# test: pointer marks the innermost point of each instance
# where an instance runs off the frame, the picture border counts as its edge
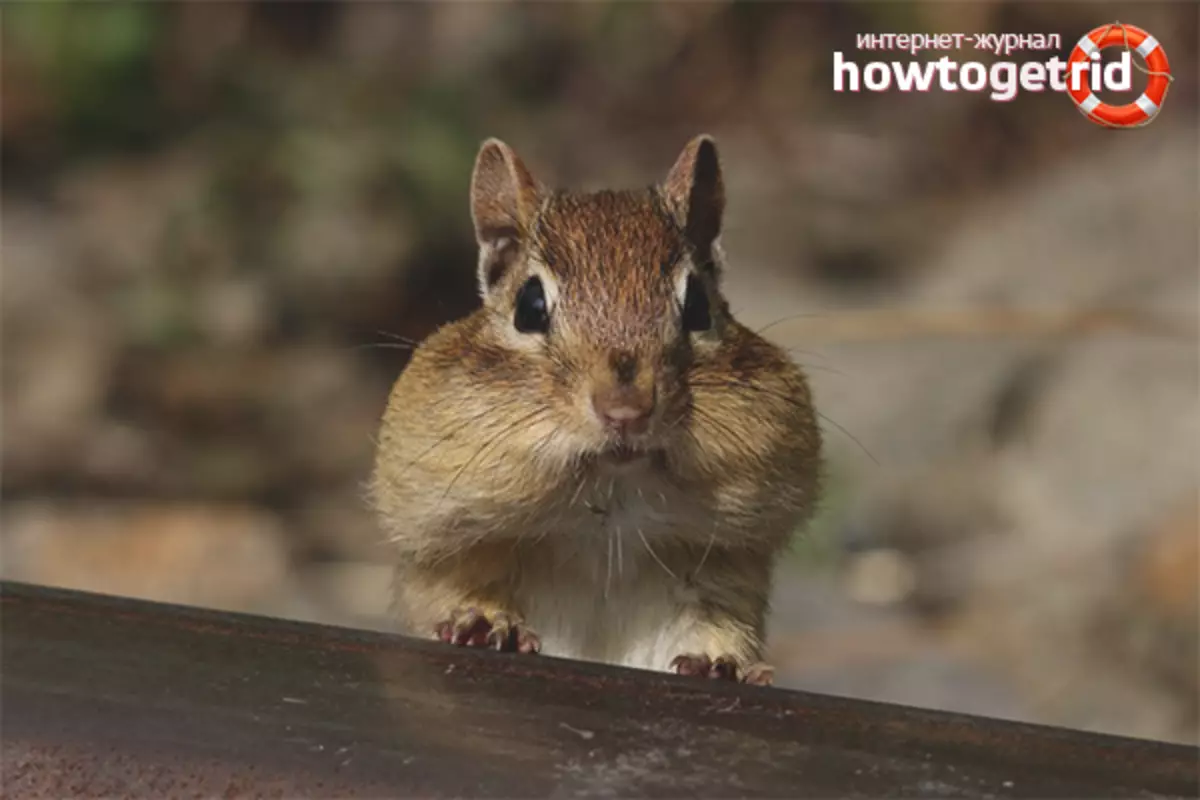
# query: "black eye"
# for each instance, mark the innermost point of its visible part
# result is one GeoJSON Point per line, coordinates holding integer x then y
{"type": "Point", "coordinates": [696, 316]}
{"type": "Point", "coordinates": [531, 315]}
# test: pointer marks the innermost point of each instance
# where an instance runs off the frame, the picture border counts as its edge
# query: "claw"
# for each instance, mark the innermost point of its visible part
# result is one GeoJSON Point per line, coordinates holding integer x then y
{"type": "Point", "coordinates": [470, 627]}
{"type": "Point", "coordinates": [722, 668]}
{"type": "Point", "coordinates": [503, 632]}
{"type": "Point", "coordinates": [691, 664]}
{"type": "Point", "coordinates": [759, 674]}
{"type": "Point", "coordinates": [466, 627]}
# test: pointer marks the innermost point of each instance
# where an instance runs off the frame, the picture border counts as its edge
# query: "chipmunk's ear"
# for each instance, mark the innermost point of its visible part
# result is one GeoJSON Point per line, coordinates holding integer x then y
{"type": "Point", "coordinates": [504, 197]}
{"type": "Point", "coordinates": [695, 193]}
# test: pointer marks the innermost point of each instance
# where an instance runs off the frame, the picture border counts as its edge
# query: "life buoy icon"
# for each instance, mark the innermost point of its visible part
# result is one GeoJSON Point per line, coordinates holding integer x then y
{"type": "Point", "coordinates": [1140, 111]}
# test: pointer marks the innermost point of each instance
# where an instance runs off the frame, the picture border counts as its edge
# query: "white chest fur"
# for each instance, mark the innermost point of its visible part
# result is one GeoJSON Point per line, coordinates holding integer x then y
{"type": "Point", "coordinates": [616, 591]}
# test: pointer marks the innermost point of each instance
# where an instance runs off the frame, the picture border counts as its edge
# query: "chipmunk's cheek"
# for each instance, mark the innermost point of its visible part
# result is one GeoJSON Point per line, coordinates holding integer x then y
{"type": "Point", "coordinates": [707, 444]}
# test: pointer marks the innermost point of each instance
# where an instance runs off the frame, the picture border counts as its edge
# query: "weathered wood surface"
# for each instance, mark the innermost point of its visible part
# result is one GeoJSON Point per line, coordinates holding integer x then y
{"type": "Point", "coordinates": [110, 697]}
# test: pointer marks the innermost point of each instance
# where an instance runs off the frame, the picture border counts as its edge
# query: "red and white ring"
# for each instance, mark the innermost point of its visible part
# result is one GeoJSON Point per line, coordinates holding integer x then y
{"type": "Point", "coordinates": [1145, 45]}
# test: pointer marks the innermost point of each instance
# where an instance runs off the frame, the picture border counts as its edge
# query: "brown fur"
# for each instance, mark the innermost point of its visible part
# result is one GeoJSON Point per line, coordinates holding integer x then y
{"type": "Point", "coordinates": [489, 479]}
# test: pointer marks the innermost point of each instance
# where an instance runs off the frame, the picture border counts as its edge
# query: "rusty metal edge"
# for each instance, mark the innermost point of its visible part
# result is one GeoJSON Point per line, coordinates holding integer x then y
{"type": "Point", "coordinates": [891, 730]}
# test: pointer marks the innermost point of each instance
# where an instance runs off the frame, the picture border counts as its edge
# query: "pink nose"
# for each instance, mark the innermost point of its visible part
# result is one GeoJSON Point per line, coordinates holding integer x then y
{"type": "Point", "coordinates": [624, 409]}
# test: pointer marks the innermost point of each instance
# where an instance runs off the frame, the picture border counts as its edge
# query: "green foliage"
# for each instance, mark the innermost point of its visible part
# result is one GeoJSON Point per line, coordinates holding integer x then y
{"type": "Point", "coordinates": [432, 152]}
{"type": "Point", "coordinates": [97, 64]}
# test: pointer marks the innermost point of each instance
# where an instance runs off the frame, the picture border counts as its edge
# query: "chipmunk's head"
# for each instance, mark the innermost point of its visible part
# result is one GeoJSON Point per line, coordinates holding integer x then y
{"type": "Point", "coordinates": [605, 302]}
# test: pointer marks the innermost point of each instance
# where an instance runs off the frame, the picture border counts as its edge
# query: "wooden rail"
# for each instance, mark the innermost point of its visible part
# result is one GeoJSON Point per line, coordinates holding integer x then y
{"type": "Point", "coordinates": [111, 697]}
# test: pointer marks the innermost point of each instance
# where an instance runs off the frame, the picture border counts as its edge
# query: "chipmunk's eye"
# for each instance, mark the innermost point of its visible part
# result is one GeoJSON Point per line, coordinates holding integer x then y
{"type": "Point", "coordinates": [532, 314]}
{"type": "Point", "coordinates": [696, 315]}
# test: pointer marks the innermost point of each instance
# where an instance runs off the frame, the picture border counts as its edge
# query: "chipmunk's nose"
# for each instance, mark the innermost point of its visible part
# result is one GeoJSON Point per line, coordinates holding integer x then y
{"type": "Point", "coordinates": [624, 409]}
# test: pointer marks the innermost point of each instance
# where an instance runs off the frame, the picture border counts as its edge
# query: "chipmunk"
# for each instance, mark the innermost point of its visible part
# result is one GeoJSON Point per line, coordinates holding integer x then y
{"type": "Point", "coordinates": [599, 463]}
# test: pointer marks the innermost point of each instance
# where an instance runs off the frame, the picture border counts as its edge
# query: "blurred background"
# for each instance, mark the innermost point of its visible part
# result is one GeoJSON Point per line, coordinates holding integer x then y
{"type": "Point", "coordinates": [221, 222]}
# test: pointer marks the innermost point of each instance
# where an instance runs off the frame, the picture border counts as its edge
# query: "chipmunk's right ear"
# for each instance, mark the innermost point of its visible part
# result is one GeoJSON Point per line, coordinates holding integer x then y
{"type": "Point", "coordinates": [695, 192]}
{"type": "Point", "coordinates": [504, 198]}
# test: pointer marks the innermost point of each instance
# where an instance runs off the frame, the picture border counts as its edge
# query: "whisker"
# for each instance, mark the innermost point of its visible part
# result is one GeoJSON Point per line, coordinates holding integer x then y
{"type": "Point", "coordinates": [578, 491]}
{"type": "Point", "coordinates": [789, 318]}
{"type": "Point", "coordinates": [820, 368]}
{"type": "Point", "coordinates": [750, 387]}
{"type": "Point", "coordinates": [524, 528]}
{"type": "Point", "coordinates": [398, 337]}
{"type": "Point", "coordinates": [695, 440]}
{"type": "Point", "coordinates": [812, 353]}
{"type": "Point", "coordinates": [653, 554]}
{"type": "Point", "coordinates": [712, 538]}
{"type": "Point", "coordinates": [491, 442]}
{"type": "Point", "coordinates": [382, 346]}
{"type": "Point", "coordinates": [850, 436]}
{"type": "Point", "coordinates": [486, 446]}
{"type": "Point", "coordinates": [454, 431]}
{"type": "Point", "coordinates": [570, 554]}
{"type": "Point", "coordinates": [620, 554]}
{"type": "Point", "coordinates": [718, 425]}
{"type": "Point", "coordinates": [608, 576]}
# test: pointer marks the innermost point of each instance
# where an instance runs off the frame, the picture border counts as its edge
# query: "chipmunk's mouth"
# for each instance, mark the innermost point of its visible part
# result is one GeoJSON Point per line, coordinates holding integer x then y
{"type": "Point", "coordinates": [624, 455]}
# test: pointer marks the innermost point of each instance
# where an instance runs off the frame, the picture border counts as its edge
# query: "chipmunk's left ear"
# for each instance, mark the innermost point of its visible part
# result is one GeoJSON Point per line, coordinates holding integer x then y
{"type": "Point", "coordinates": [695, 192]}
{"type": "Point", "coordinates": [504, 196]}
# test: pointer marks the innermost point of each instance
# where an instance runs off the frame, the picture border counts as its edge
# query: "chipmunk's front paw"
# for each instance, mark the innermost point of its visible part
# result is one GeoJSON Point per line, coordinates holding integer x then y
{"type": "Point", "coordinates": [470, 627]}
{"type": "Point", "coordinates": [723, 668]}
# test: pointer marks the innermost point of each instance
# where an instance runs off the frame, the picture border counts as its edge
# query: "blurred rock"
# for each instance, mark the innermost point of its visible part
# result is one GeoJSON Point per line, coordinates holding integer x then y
{"type": "Point", "coordinates": [118, 454]}
{"type": "Point", "coordinates": [1016, 480]}
{"type": "Point", "coordinates": [822, 641]}
{"type": "Point", "coordinates": [207, 555]}
{"type": "Point", "coordinates": [325, 408]}
{"type": "Point", "coordinates": [1151, 617]}
{"type": "Point", "coordinates": [134, 217]}
{"type": "Point", "coordinates": [339, 524]}
{"type": "Point", "coordinates": [881, 576]}
{"type": "Point", "coordinates": [235, 311]}
{"type": "Point", "coordinates": [59, 347]}
{"type": "Point", "coordinates": [1069, 243]}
